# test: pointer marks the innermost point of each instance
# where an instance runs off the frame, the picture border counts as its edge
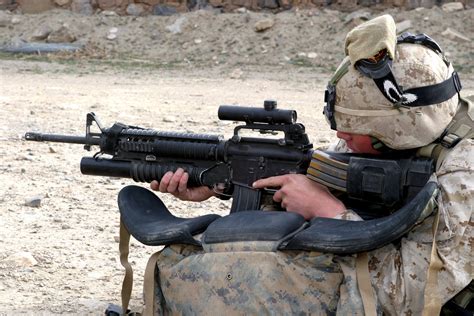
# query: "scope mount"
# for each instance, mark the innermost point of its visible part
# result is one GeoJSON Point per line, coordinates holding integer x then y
{"type": "Point", "coordinates": [295, 134]}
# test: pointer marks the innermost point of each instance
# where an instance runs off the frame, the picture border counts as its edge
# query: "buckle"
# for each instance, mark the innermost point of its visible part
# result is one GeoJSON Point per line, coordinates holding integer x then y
{"type": "Point", "coordinates": [450, 140]}
{"type": "Point", "coordinates": [457, 82]}
{"type": "Point", "coordinates": [328, 110]}
{"type": "Point", "coordinates": [422, 39]}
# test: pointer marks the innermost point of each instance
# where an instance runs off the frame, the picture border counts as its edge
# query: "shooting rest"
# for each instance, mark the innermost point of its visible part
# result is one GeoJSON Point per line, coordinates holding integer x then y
{"type": "Point", "coordinates": [148, 220]}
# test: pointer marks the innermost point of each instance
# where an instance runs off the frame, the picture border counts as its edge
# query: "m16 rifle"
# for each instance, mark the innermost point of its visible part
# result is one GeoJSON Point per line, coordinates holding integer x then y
{"type": "Point", "coordinates": [233, 165]}
{"type": "Point", "coordinates": [146, 154]}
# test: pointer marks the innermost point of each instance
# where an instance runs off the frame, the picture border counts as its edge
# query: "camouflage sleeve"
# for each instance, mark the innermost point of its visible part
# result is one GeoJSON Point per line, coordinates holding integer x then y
{"type": "Point", "coordinates": [399, 270]}
{"type": "Point", "coordinates": [456, 180]}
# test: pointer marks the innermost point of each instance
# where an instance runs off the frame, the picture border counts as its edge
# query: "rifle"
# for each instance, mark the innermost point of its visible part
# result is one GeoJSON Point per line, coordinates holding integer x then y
{"type": "Point", "coordinates": [234, 164]}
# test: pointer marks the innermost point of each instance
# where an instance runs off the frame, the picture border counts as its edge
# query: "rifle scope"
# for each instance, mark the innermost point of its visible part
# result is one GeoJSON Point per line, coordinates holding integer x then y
{"type": "Point", "coordinates": [269, 114]}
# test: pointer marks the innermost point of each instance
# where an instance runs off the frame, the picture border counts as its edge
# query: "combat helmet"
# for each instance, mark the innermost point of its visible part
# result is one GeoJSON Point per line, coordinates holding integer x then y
{"type": "Point", "coordinates": [403, 92]}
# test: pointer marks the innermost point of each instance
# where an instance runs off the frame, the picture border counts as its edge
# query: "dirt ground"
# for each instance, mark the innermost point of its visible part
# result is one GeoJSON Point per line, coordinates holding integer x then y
{"type": "Point", "coordinates": [72, 235]}
{"type": "Point", "coordinates": [205, 38]}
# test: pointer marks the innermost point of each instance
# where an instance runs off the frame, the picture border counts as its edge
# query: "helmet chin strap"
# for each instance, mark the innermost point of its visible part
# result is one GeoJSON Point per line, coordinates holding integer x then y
{"type": "Point", "coordinates": [379, 146]}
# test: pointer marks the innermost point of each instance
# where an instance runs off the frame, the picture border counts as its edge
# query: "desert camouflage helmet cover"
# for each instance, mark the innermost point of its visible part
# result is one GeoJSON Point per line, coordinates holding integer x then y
{"type": "Point", "coordinates": [361, 108]}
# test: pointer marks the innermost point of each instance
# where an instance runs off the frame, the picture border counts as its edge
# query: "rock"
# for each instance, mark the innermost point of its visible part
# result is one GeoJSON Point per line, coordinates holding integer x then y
{"type": "Point", "coordinates": [15, 20]}
{"type": "Point", "coordinates": [403, 26]}
{"type": "Point", "coordinates": [197, 41]}
{"type": "Point", "coordinates": [109, 13]}
{"type": "Point", "coordinates": [455, 36]}
{"type": "Point", "coordinates": [264, 25]}
{"type": "Point", "coordinates": [41, 33]}
{"type": "Point", "coordinates": [35, 6]}
{"type": "Point", "coordinates": [22, 259]}
{"type": "Point", "coordinates": [176, 26]}
{"type": "Point", "coordinates": [34, 201]}
{"type": "Point", "coordinates": [165, 10]}
{"type": "Point", "coordinates": [312, 55]}
{"type": "Point", "coordinates": [61, 35]}
{"type": "Point", "coordinates": [236, 73]}
{"type": "Point", "coordinates": [62, 2]}
{"type": "Point", "coordinates": [323, 140]}
{"type": "Point", "coordinates": [82, 7]}
{"type": "Point", "coordinates": [241, 10]}
{"type": "Point", "coordinates": [112, 34]}
{"type": "Point", "coordinates": [24, 157]}
{"type": "Point", "coordinates": [169, 119]}
{"type": "Point", "coordinates": [359, 14]}
{"type": "Point", "coordinates": [135, 9]}
{"type": "Point", "coordinates": [452, 6]}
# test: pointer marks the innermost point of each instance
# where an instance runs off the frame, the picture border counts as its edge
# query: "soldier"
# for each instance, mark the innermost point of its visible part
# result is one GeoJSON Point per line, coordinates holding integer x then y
{"type": "Point", "coordinates": [385, 97]}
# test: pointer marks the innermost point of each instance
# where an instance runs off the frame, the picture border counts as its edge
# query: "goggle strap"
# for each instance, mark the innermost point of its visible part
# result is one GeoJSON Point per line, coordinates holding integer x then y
{"type": "Point", "coordinates": [341, 71]}
{"type": "Point", "coordinates": [436, 93]}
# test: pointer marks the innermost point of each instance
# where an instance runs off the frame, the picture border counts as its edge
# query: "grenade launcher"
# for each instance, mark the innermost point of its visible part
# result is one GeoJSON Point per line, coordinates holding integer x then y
{"type": "Point", "coordinates": [146, 155]}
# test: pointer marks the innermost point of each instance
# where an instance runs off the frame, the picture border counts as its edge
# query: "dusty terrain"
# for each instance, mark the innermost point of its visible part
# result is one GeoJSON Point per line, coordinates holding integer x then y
{"type": "Point", "coordinates": [72, 233]}
{"type": "Point", "coordinates": [309, 38]}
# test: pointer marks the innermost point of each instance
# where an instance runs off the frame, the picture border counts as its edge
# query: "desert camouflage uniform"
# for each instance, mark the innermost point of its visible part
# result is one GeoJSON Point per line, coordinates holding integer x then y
{"type": "Point", "coordinates": [399, 271]}
{"type": "Point", "coordinates": [253, 279]}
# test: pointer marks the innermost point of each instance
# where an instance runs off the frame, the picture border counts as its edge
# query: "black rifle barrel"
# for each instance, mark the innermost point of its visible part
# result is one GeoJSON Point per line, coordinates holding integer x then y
{"type": "Point", "coordinates": [38, 137]}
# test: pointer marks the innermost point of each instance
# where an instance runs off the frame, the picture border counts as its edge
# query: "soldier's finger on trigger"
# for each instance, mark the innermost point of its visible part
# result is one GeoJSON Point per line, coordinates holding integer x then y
{"type": "Point", "coordinates": [269, 182]}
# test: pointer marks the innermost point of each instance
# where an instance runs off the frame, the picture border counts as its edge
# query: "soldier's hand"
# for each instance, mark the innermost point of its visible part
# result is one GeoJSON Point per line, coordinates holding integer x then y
{"type": "Point", "coordinates": [177, 184]}
{"type": "Point", "coordinates": [300, 195]}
